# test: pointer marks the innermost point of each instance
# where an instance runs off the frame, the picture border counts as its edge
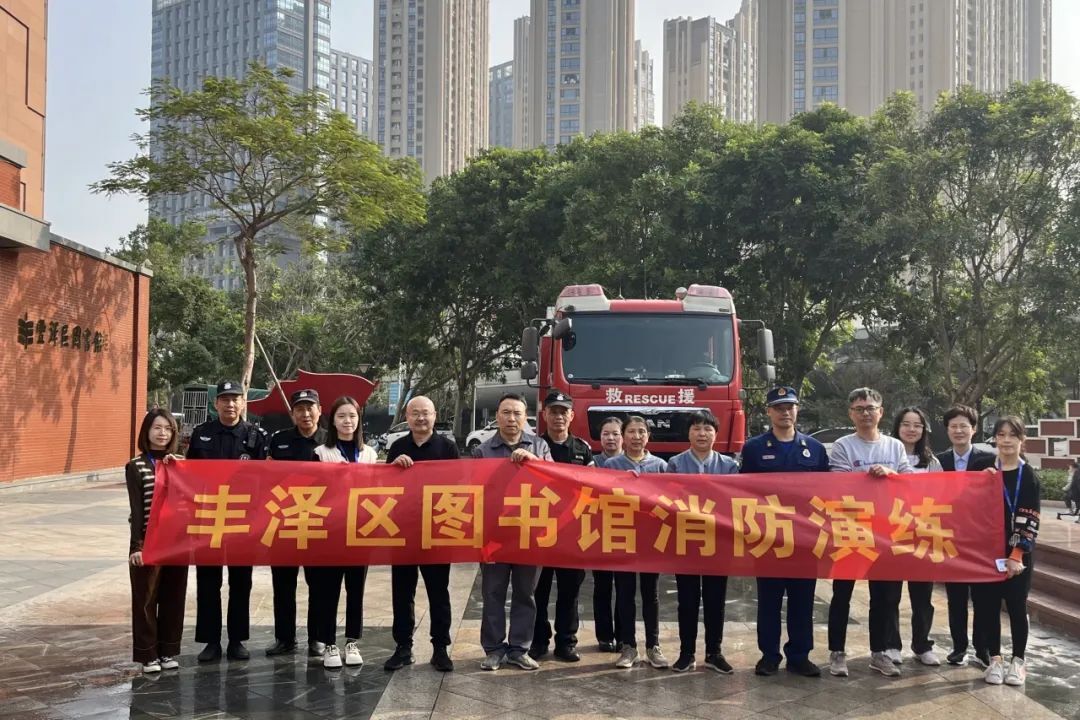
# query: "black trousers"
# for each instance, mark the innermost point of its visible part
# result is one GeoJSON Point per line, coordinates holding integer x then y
{"type": "Point", "coordinates": [284, 580]}
{"type": "Point", "coordinates": [157, 610]}
{"type": "Point", "coordinates": [922, 619]}
{"type": "Point", "coordinates": [884, 613]}
{"type": "Point", "coordinates": [800, 617]}
{"type": "Point", "coordinates": [567, 618]}
{"type": "Point", "coordinates": [325, 594]}
{"type": "Point", "coordinates": [626, 587]}
{"type": "Point", "coordinates": [987, 598]}
{"type": "Point", "coordinates": [960, 595]}
{"type": "Point", "coordinates": [208, 603]}
{"type": "Point", "coordinates": [710, 593]}
{"type": "Point", "coordinates": [403, 580]}
{"type": "Point", "coordinates": [607, 622]}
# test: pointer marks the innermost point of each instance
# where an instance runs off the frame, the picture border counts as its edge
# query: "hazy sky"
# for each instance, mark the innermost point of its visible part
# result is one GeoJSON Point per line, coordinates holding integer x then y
{"type": "Point", "coordinates": [99, 64]}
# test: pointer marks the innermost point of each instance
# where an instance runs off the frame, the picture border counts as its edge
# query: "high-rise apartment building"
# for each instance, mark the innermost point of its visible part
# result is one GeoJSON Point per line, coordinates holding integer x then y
{"type": "Point", "coordinates": [858, 53]}
{"type": "Point", "coordinates": [581, 69]}
{"type": "Point", "coordinates": [711, 63]}
{"type": "Point", "coordinates": [195, 39]}
{"type": "Point", "coordinates": [431, 81]}
{"type": "Point", "coordinates": [350, 88]}
{"type": "Point", "coordinates": [501, 105]}
{"type": "Point", "coordinates": [644, 95]}
{"type": "Point", "coordinates": [522, 85]}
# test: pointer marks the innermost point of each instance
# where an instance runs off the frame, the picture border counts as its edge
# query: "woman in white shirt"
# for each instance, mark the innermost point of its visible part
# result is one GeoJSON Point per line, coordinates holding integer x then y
{"type": "Point", "coordinates": [912, 427]}
{"type": "Point", "coordinates": [344, 444]}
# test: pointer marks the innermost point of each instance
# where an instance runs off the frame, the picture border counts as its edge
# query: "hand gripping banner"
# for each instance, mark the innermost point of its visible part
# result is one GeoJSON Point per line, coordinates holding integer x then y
{"type": "Point", "coordinates": [928, 527]}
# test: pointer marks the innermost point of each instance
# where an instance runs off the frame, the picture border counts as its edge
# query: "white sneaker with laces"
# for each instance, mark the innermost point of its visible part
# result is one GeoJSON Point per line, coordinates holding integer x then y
{"type": "Point", "coordinates": [894, 656]}
{"type": "Point", "coordinates": [995, 673]}
{"type": "Point", "coordinates": [353, 658]}
{"type": "Point", "coordinates": [331, 657]}
{"type": "Point", "coordinates": [628, 657]}
{"type": "Point", "coordinates": [880, 661]}
{"type": "Point", "coordinates": [838, 663]}
{"type": "Point", "coordinates": [1017, 673]}
{"type": "Point", "coordinates": [656, 657]}
{"type": "Point", "coordinates": [169, 663]}
{"type": "Point", "coordinates": [929, 658]}
{"type": "Point", "coordinates": [154, 666]}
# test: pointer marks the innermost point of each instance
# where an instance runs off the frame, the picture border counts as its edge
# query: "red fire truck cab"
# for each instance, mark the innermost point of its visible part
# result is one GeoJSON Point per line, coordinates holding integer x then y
{"type": "Point", "coordinates": [660, 359]}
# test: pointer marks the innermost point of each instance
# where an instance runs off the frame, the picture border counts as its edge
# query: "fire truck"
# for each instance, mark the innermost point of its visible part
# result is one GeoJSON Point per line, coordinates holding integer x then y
{"type": "Point", "coordinates": [660, 359]}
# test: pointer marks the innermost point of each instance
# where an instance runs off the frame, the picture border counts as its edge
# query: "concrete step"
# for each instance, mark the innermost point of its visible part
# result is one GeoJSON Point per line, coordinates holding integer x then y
{"type": "Point", "coordinates": [1053, 556]}
{"type": "Point", "coordinates": [1054, 611]}
{"type": "Point", "coordinates": [1055, 580]}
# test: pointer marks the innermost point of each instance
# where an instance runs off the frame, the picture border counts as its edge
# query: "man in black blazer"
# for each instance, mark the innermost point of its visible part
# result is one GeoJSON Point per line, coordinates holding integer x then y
{"type": "Point", "coordinates": [960, 423]}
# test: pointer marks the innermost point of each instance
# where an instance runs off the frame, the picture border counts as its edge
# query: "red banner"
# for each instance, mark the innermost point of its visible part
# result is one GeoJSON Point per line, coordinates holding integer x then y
{"type": "Point", "coordinates": [935, 526]}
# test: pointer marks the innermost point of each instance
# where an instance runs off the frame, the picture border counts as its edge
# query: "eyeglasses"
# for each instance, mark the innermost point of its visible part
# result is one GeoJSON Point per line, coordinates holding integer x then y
{"type": "Point", "coordinates": [865, 409]}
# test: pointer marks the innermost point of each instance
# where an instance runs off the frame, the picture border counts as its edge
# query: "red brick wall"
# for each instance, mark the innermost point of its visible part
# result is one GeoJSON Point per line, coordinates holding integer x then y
{"type": "Point", "coordinates": [10, 187]}
{"type": "Point", "coordinates": [70, 410]}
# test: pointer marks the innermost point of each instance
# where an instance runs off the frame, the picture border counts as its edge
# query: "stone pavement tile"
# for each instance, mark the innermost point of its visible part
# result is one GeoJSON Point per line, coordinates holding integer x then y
{"type": "Point", "coordinates": [1011, 702]}
{"type": "Point", "coordinates": [453, 705]}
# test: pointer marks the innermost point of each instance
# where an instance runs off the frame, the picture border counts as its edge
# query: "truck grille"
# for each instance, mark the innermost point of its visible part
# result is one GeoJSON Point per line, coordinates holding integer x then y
{"type": "Point", "coordinates": [666, 424]}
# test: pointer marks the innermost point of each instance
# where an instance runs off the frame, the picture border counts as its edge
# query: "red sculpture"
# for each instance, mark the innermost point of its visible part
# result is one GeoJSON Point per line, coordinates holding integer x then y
{"type": "Point", "coordinates": [330, 387]}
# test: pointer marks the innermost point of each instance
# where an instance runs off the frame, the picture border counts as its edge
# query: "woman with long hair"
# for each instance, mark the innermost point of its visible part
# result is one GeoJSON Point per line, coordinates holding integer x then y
{"type": "Point", "coordinates": [344, 444]}
{"type": "Point", "coordinates": [912, 427]}
{"type": "Point", "coordinates": [1020, 486]}
{"type": "Point", "coordinates": [157, 591]}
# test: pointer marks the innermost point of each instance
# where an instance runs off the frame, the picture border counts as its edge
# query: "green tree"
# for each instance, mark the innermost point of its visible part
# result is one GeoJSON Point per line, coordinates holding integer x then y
{"type": "Point", "coordinates": [987, 194]}
{"type": "Point", "coordinates": [193, 326]}
{"type": "Point", "coordinates": [271, 161]}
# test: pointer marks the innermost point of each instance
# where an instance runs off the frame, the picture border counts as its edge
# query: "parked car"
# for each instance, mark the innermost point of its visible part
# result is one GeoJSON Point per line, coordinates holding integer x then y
{"type": "Point", "coordinates": [827, 436]}
{"type": "Point", "coordinates": [482, 434]}
{"type": "Point", "coordinates": [401, 429]}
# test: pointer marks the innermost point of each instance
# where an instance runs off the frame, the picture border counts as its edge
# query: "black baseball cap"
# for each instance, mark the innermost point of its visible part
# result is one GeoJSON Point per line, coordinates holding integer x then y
{"type": "Point", "coordinates": [229, 387]}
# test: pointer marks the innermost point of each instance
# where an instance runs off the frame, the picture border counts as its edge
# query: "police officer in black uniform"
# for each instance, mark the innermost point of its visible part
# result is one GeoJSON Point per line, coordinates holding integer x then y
{"type": "Point", "coordinates": [565, 448]}
{"type": "Point", "coordinates": [785, 449]}
{"type": "Point", "coordinates": [295, 443]}
{"type": "Point", "coordinates": [229, 437]}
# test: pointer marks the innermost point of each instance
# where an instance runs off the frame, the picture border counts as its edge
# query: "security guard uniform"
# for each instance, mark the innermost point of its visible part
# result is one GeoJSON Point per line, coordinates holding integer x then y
{"type": "Point", "coordinates": [213, 440]}
{"type": "Point", "coordinates": [573, 452]}
{"type": "Point", "coordinates": [290, 444]}
{"type": "Point", "coordinates": [766, 454]}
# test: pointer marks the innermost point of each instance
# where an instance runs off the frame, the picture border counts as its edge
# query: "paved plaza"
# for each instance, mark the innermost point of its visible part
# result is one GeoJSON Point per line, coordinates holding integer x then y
{"type": "Point", "coordinates": [65, 650]}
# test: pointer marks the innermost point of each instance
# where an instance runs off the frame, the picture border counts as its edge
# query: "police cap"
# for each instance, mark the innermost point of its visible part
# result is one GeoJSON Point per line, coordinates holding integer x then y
{"type": "Point", "coordinates": [782, 395]}
{"type": "Point", "coordinates": [558, 399]}
{"type": "Point", "coordinates": [304, 396]}
{"type": "Point", "coordinates": [229, 387]}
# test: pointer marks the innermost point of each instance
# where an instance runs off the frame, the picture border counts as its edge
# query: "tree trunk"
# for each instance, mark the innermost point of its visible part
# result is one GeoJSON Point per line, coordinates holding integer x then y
{"type": "Point", "coordinates": [251, 297]}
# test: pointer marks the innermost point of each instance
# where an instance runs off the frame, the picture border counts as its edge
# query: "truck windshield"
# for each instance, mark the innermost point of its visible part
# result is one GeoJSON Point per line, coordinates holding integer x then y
{"type": "Point", "coordinates": [650, 348]}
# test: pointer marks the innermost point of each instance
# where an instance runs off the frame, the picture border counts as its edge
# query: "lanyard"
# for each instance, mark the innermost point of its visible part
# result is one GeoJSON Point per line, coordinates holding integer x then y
{"type": "Point", "coordinates": [153, 463]}
{"type": "Point", "coordinates": [1016, 493]}
{"type": "Point", "coordinates": [355, 453]}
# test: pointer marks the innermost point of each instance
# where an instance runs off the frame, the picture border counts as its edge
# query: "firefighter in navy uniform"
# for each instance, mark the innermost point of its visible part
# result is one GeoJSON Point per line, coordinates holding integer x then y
{"type": "Point", "coordinates": [230, 437]}
{"type": "Point", "coordinates": [784, 449]}
{"type": "Point", "coordinates": [565, 448]}
{"type": "Point", "coordinates": [297, 443]}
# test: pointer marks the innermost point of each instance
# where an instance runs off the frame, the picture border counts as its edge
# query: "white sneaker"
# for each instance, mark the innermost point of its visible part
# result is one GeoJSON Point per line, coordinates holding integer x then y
{"type": "Point", "coordinates": [838, 663]}
{"type": "Point", "coordinates": [995, 673]}
{"type": "Point", "coordinates": [169, 663]}
{"type": "Point", "coordinates": [353, 658]}
{"type": "Point", "coordinates": [656, 657]}
{"type": "Point", "coordinates": [331, 657]}
{"type": "Point", "coordinates": [928, 658]}
{"type": "Point", "coordinates": [522, 660]}
{"type": "Point", "coordinates": [894, 657]}
{"type": "Point", "coordinates": [880, 661]}
{"type": "Point", "coordinates": [493, 661]}
{"type": "Point", "coordinates": [1017, 673]}
{"type": "Point", "coordinates": [154, 666]}
{"type": "Point", "coordinates": [628, 657]}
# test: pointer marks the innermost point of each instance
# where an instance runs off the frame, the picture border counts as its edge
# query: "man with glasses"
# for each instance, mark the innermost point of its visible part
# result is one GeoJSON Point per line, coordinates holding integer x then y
{"type": "Point", "coordinates": [866, 450]}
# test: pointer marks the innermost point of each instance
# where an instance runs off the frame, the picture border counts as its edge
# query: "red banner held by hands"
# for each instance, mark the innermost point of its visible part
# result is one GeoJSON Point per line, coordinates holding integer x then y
{"type": "Point", "coordinates": [927, 527]}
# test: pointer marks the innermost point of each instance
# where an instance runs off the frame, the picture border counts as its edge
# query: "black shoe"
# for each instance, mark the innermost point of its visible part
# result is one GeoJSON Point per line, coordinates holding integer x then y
{"type": "Point", "coordinates": [716, 661]}
{"type": "Point", "coordinates": [440, 659]}
{"type": "Point", "coordinates": [956, 657]}
{"type": "Point", "coordinates": [982, 658]}
{"type": "Point", "coordinates": [237, 651]}
{"type": "Point", "coordinates": [803, 667]}
{"type": "Point", "coordinates": [281, 648]}
{"type": "Point", "coordinates": [684, 663]}
{"type": "Point", "coordinates": [210, 653]}
{"type": "Point", "coordinates": [566, 653]}
{"type": "Point", "coordinates": [402, 656]}
{"type": "Point", "coordinates": [538, 651]}
{"type": "Point", "coordinates": [766, 667]}
{"type": "Point", "coordinates": [608, 646]}
{"type": "Point", "coordinates": [315, 649]}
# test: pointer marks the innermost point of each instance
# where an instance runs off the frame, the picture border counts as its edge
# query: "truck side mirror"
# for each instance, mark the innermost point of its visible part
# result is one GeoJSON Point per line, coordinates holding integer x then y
{"type": "Point", "coordinates": [529, 370]}
{"type": "Point", "coordinates": [767, 372]}
{"type": "Point", "coordinates": [529, 344]}
{"type": "Point", "coordinates": [765, 346]}
{"type": "Point", "coordinates": [562, 329]}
